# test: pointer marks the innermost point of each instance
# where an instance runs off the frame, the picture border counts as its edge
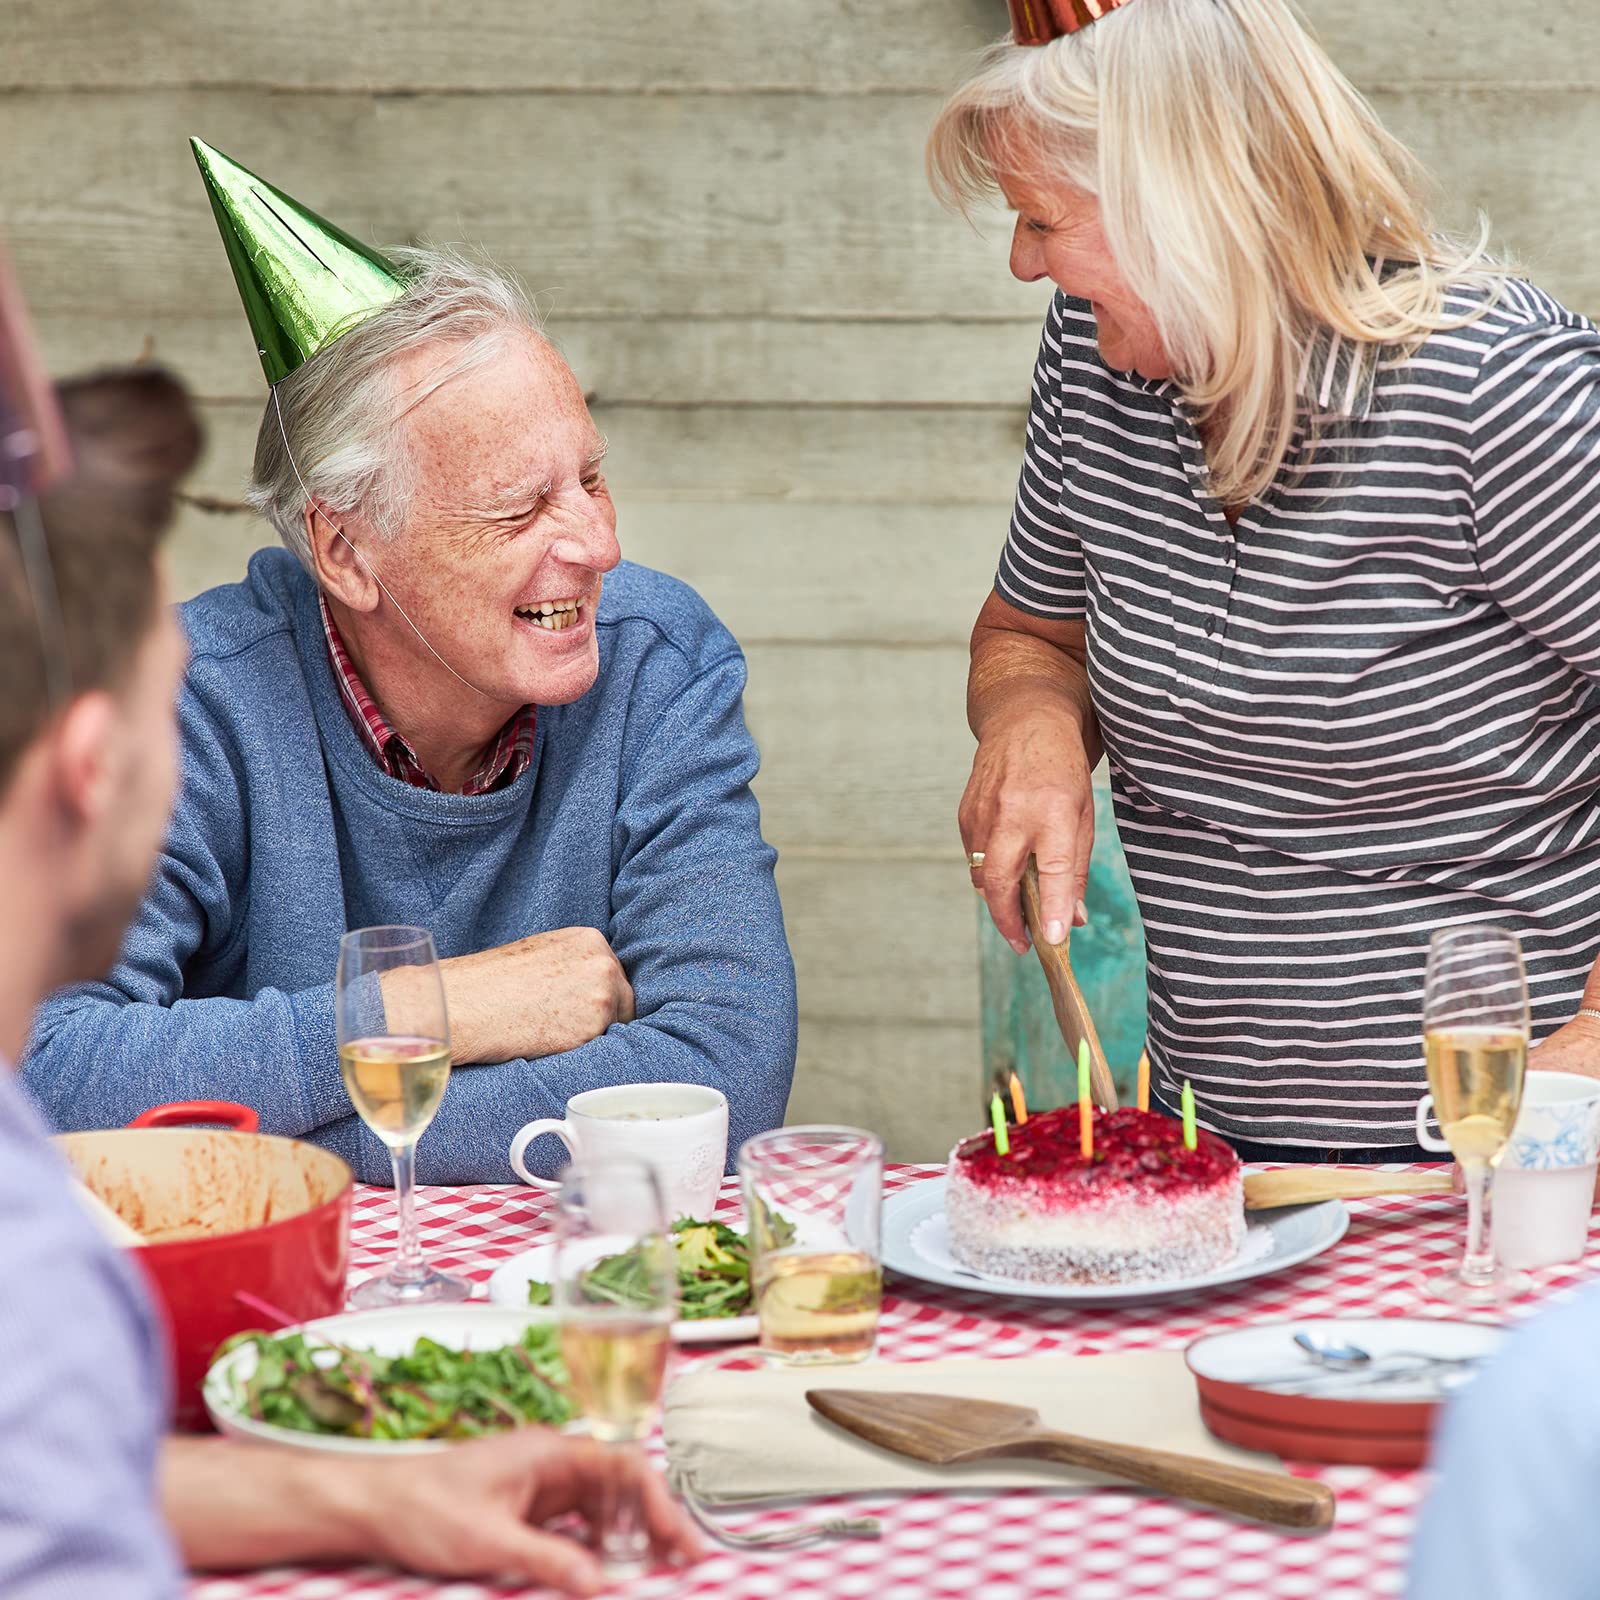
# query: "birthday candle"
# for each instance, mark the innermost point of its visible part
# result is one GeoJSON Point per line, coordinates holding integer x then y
{"type": "Point", "coordinates": [1002, 1139]}
{"type": "Point", "coordinates": [1144, 1080]}
{"type": "Point", "coordinates": [1019, 1103]}
{"type": "Point", "coordinates": [1085, 1108]}
{"type": "Point", "coordinates": [1191, 1137]}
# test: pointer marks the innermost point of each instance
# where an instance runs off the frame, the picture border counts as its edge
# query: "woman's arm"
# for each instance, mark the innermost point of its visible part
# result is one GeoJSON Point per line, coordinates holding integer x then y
{"type": "Point", "coordinates": [1030, 791]}
{"type": "Point", "coordinates": [1575, 1045]}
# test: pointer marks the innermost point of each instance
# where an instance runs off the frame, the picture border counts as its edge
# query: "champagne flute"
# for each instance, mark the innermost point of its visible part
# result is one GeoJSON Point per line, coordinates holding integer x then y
{"type": "Point", "coordinates": [394, 1056]}
{"type": "Point", "coordinates": [1475, 1029]}
{"type": "Point", "coordinates": [615, 1292]}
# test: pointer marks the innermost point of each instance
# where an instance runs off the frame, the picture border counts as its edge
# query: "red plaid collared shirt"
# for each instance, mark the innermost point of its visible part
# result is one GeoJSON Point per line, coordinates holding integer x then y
{"type": "Point", "coordinates": [507, 758]}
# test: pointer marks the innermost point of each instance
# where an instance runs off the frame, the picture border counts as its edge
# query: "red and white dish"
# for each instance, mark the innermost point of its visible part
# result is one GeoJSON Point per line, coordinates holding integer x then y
{"type": "Point", "coordinates": [1314, 1414]}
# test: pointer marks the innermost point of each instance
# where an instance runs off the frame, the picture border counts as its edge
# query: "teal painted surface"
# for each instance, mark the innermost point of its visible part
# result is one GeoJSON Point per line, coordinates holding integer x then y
{"type": "Point", "coordinates": [1019, 1026]}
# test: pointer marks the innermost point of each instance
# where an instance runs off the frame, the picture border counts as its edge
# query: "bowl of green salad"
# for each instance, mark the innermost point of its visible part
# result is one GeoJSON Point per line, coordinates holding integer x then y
{"type": "Point", "coordinates": [396, 1382]}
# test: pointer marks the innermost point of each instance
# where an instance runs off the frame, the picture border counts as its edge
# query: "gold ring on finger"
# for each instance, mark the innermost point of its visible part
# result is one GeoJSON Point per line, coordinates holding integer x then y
{"type": "Point", "coordinates": [974, 859]}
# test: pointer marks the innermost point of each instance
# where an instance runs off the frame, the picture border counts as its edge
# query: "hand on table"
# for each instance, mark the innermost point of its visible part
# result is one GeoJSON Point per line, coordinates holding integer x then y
{"type": "Point", "coordinates": [535, 997]}
{"type": "Point", "coordinates": [476, 1510]}
{"type": "Point", "coordinates": [1030, 793]}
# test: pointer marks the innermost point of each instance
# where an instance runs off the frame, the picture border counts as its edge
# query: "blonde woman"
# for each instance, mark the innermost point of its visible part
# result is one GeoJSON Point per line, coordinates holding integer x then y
{"type": "Point", "coordinates": [1307, 539]}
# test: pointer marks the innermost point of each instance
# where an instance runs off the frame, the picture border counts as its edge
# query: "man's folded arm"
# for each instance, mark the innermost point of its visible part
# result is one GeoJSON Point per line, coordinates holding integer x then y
{"type": "Point", "coordinates": [100, 1053]}
{"type": "Point", "coordinates": [698, 929]}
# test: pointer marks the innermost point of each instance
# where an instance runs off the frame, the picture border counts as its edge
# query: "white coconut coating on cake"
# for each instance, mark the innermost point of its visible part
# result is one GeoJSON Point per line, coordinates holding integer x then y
{"type": "Point", "coordinates": [1142, 1208]}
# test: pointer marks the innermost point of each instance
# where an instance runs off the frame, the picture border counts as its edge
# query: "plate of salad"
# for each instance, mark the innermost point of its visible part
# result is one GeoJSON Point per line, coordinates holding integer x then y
{"type": "Point", "coordinates": [398, 1382]}
{"type": "Point", "coordinates": [714, 1298]}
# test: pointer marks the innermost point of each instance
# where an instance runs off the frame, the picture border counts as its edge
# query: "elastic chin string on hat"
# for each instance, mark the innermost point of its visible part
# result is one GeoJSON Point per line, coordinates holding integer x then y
{"type": "Point", "coordinates": [317, 510]}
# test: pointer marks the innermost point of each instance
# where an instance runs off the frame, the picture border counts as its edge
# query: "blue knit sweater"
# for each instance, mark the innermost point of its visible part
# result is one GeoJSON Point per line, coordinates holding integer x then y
{"type": "Point", "coordinates": [635, 818]}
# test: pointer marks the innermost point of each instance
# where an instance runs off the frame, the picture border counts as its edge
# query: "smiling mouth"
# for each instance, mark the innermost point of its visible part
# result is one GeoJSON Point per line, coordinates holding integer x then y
{"type": "Point", "coordinates": [552, 615]}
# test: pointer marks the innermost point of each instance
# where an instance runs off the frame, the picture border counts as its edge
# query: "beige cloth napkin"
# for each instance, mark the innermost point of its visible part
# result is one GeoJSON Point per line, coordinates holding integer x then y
{"type": "Point", "coordinates": [751, 1436]}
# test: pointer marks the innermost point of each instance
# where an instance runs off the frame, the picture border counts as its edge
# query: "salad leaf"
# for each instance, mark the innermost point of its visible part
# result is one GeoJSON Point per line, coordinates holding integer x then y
{"type": "Point", "coordinates": [433, 1392]}
{"type": "Point", "coordinates": [713, 1263]}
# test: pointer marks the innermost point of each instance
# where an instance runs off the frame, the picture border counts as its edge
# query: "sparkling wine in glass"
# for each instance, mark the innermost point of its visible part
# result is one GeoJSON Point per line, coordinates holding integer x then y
{"type": "Point", "coordinates": [615, 1293]}
{"type": "Point", "coordinates": [394, 1056]}
{"type": "Point", "coordinates": [1475, 1029]}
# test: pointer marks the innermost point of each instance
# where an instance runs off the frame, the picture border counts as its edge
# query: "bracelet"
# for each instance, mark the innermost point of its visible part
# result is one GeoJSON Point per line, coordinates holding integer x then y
{"type": "Point", "coordinates": [1589, 1011]}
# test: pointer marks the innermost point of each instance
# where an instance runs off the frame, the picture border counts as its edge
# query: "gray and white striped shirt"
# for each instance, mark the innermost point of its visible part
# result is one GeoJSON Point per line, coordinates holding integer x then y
{"type": "Point", "coordinates": [1370, 710]}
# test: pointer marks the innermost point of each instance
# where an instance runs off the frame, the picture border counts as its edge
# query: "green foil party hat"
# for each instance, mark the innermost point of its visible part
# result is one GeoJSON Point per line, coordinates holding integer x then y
{"type": "Point", "coordinates": [303, 281]}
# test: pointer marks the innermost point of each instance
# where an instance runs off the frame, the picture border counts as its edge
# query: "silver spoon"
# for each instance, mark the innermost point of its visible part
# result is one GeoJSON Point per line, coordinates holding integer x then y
{"type": "Point", "coordinates": [1349, 1357]}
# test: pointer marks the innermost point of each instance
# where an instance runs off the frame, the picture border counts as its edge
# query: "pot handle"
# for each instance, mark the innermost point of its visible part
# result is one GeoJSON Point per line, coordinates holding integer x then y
{"type": "Point", "coordinates": [187, 1113]}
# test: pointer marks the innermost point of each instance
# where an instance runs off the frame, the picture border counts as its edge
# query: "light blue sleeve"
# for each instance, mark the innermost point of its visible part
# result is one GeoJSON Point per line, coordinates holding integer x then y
{"type": "Point", "coordinates": [1514, 1511]}
{"type": "Point", "coordinates": [100, 1053]}
{"type": "Point", "coordinates": [81, 1392]}
{"type": "Point", "coordinates": [696, 924]}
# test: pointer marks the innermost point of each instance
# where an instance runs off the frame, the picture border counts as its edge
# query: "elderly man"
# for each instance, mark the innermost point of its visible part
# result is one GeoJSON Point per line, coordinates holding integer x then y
{"type": "Point", "coordinates": [450, 706]}
{"type": "Point", "coordinates": [91, 1501]}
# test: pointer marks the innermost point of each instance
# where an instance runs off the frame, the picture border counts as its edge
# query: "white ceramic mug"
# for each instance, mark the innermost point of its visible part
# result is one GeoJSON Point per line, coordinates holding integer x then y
{"type": "Point", "coordinates": [1544, 1191]}
{"type": "Point", "coordinates": [680, 1129]}
{"type": "Point", "coordinates": [1544, 1188]}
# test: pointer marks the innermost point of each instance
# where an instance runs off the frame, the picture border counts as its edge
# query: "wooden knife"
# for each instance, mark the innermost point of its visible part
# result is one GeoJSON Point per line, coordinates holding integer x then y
{"type": "Point", "coordinates": [1304, 1186]}
{"type": "Point", "coordinates": [1072, 1011]}
{"type": "Point", "coordinates": [949, 1431]}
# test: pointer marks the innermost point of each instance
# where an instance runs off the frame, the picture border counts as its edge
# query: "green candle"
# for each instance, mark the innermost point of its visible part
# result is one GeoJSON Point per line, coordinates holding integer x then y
{"type": "Point", "coordinates": [1190, 1136]}
{"type": "Point", "coordinates": [1085, 1104]}
{"type": "Point", "coordinates": [1002, 1139]}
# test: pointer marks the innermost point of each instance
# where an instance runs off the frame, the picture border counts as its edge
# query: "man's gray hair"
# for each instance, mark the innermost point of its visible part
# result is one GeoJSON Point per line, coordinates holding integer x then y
{"type": "Point", "coordinates": [341, 410]}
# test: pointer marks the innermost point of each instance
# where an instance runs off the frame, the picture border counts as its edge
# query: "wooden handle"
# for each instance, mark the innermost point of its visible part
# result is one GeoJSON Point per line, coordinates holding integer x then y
{"type": "Point", "coordinates": [1273, 1497]}
{"type": "Point", "coordinates": [1302, 1186]}
{"type": "Point", "coordinates": [1072, 1011]}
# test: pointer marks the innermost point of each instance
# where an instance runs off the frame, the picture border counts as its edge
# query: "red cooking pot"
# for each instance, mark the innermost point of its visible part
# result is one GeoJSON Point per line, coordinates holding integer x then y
{"type": "Point", "coordinates": [222, 1212]}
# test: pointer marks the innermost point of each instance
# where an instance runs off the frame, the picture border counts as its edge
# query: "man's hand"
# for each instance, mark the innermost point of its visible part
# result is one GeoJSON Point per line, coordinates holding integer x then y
{"type": "Point", "coordinates": [537, 997]}
{"type": "Point", "coordinates": [478, 1510]}
{"type": "Point", "coordinates": [1573, 1047]}
{"type": "Point", "coordinates": [475, 1510]}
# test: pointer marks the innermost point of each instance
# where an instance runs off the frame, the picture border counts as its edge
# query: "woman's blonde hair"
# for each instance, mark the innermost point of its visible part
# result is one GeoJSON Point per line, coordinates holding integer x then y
{"type": "Point", "coordinates": [1247, 193]}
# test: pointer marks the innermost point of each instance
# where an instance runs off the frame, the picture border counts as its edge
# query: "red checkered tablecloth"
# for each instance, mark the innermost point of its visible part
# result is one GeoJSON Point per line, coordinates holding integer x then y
{"type": "Point", "coordinates": [1105, 1545]}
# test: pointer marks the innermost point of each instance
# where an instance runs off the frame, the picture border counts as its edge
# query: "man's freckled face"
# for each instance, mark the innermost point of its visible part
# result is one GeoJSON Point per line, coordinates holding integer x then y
{"type": "Point", "coordinates": [1058, 236]}
{"type": "Point", "coordinates": [509, 510]}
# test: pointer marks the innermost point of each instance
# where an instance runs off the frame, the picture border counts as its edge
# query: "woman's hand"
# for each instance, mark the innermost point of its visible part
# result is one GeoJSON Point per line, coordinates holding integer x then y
{"type": "Point", "coordinates": [1573, 1047]}
{"type": "Point", "coordinates": [1030, 794]}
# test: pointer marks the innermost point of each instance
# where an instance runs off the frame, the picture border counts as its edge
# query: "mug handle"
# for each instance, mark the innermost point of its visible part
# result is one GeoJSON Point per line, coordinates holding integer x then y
{"type": "Point", "coordinates": [1424, 1138]}
{"type": "Point", "coordinates": [526, 1136]}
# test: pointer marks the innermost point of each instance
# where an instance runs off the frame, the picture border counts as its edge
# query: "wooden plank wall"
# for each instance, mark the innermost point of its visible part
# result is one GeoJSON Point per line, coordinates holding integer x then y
{"type": "Point", "coordinates": [812, 378]}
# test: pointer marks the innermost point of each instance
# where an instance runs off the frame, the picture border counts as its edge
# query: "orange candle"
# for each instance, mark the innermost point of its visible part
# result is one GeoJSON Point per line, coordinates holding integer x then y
{"type": "Point", "coordinates": [1085, 1105]}
{"type": "Point", "coordinates": [1144, 1080]}
{"type": "Point", "coordinates": [1018, 1103]}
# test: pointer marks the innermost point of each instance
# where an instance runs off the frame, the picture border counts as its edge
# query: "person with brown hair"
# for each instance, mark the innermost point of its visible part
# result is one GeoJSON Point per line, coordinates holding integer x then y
{"type": "Point", "coordinates": [91, 656]}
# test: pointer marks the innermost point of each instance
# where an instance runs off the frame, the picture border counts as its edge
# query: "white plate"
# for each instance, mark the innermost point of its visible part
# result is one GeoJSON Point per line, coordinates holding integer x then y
{"type": "Point", "coordinates": [509, 1287]}
{"type": "Point", "coordinates": [915, 1243]}
{"type": "Point", "coordinates": [390, 1333]}
{"type": "Point", "coordinates": [1268, 1355]}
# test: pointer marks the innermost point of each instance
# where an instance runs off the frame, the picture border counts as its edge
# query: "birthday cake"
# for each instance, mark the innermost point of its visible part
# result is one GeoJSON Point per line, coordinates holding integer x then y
{"type": "Point", "coordinates": [1141, 1207]}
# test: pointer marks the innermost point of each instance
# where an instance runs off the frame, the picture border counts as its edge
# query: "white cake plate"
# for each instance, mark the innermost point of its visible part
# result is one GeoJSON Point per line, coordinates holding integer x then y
{"type": "Point", "coordinates": [915, 1242]}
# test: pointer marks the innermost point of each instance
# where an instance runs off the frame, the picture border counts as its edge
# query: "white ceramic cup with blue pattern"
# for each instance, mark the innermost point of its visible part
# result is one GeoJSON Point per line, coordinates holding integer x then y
{"type": "Point", "coordinates": [1544, 1191]}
